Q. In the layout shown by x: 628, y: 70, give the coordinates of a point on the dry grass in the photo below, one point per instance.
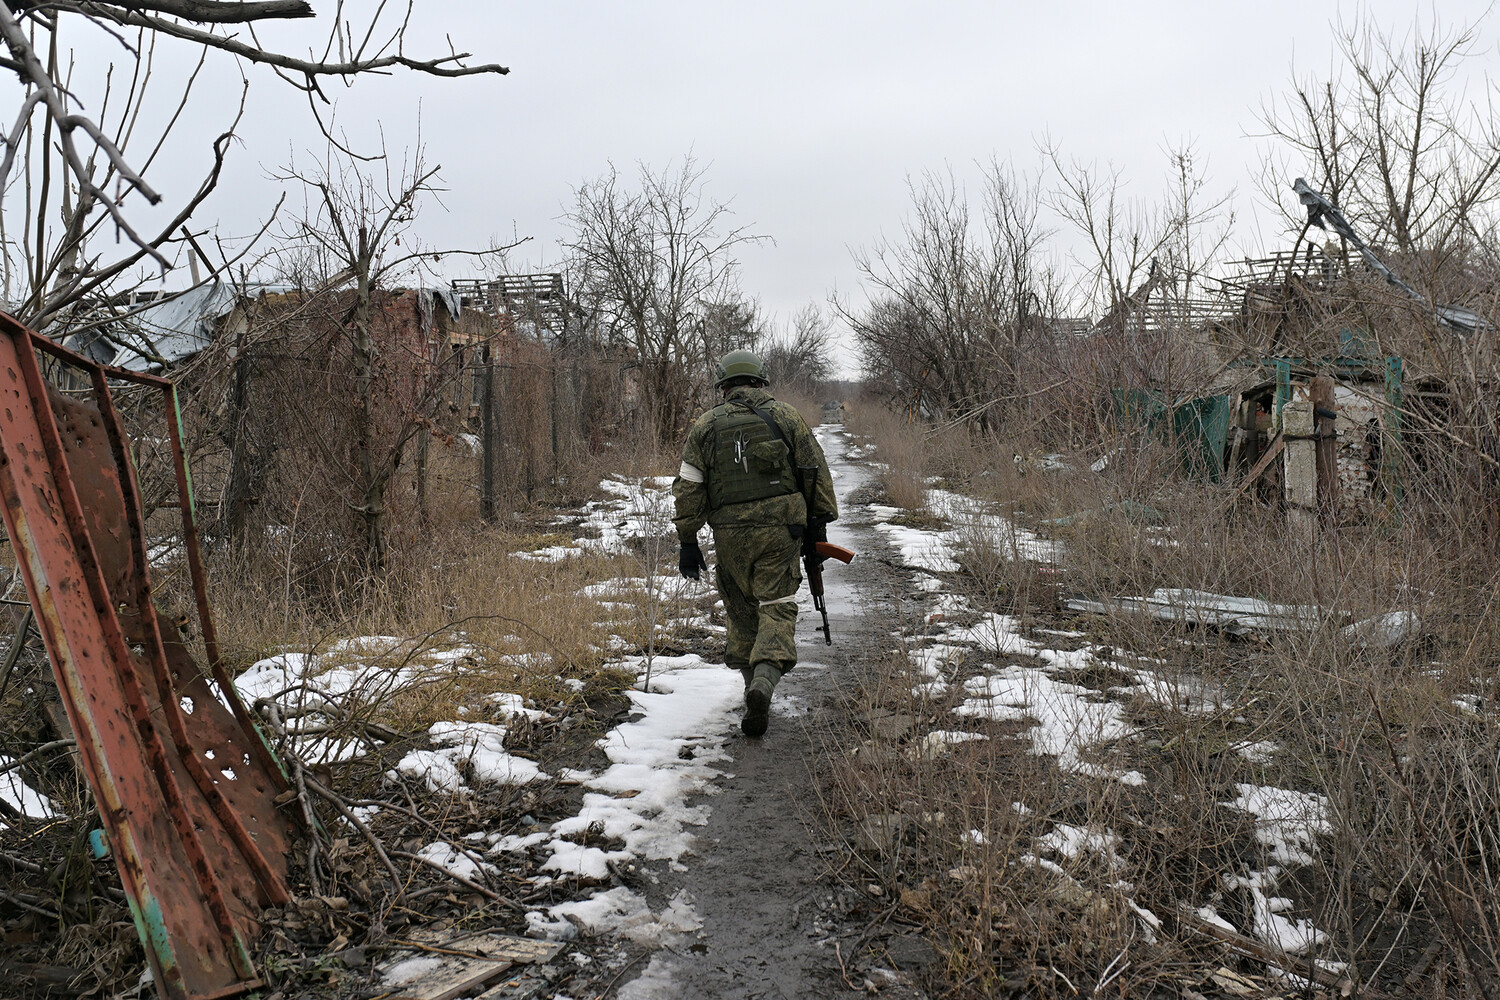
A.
x: 1402, y: 742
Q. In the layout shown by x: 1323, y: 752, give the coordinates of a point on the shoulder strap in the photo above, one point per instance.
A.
x: 770, y: 422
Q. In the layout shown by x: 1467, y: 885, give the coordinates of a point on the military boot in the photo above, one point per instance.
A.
x: 758, y: 700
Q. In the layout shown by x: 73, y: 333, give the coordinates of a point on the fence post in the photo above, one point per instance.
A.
x: 1300, y: 468
x: 487, y: 437
x: 1325, y: 429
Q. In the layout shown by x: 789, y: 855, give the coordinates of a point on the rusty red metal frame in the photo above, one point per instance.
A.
x: 197, y: 872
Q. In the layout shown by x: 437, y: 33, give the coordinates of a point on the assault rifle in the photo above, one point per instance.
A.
x: 814, y: 570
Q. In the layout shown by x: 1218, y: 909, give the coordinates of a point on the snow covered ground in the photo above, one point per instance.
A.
x: 1004, y: 675
x: 941, y: 550
x: 638, y: 509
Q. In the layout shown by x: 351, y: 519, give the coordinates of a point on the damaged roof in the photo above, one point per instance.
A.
x: 155, y: 335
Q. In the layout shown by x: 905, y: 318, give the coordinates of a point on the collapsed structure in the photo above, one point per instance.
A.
x: 1310, y: 403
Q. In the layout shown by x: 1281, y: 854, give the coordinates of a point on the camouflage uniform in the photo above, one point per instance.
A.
x: 758, y: 541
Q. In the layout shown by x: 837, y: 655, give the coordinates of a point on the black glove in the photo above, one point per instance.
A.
x: 815, y: 532
x: 690, y: 560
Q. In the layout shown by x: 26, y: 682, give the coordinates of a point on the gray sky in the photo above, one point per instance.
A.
x: 809, y: 116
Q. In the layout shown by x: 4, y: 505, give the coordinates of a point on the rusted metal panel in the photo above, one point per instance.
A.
x: 188, y: 807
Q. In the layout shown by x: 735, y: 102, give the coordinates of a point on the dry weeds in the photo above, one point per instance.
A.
x: 1402, y: 742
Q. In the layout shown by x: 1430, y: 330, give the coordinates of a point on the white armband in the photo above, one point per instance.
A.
x: 690, y: 473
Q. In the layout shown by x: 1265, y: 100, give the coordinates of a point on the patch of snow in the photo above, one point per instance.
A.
x: 690, y: 706
x: 1286, y: 821
x: 1210, y: 915
x: 920, y: 548
x: 1185, y: 693
x: 1257, y: 751
x: 1073, y: 842
x: 616, y: 911
x: 367, y: 669
x: 452, y: 859
x: 937, y: 742
x: 1384, y: 631
x: 410, y: 969
x: 549, y: 554
x: 476, y: 746
x: 21, y: 796
x: 1068, y: 720
x: 509, y: 706
x: 1293, y: 936
x: 519, y: 842
x: 655, y: 982
x: 581, y: 861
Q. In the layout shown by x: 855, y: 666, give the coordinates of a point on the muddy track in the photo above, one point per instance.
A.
x: 758, y: 879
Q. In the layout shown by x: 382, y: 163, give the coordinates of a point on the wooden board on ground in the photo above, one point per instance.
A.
x: 462, y: 964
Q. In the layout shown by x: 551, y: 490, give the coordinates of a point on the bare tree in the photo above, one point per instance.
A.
x: 960, y: 302
x: 799, y: 358
x: 650, y: 265
x: 354, y: 368
x: 70, y: 154
x: 1393, y: 137
x: 1409, y: 158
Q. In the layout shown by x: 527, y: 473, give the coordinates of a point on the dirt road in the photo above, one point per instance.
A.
x: 768, y: 920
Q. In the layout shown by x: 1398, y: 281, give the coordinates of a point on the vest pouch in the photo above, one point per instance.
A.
x: 770, y: 457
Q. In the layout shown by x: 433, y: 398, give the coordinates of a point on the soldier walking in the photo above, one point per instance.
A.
x: 752, y: 470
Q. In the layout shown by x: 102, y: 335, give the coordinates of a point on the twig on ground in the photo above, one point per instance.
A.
x: 843, y: 970
x: 14, y: 900
x: 461, y: 880
x: 32, y: 755
x: 337, y: 801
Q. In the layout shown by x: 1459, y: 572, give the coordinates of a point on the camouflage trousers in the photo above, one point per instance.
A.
x: 759, y: 572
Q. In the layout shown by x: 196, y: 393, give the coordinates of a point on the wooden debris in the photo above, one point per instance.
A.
x: 464, y: 964
x: 1260, y: 466
x: 1240, y: 616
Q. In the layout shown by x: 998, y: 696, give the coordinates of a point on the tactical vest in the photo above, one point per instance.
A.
x: 747, y: 460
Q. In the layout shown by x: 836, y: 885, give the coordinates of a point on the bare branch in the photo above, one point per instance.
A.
x: 201, y: 11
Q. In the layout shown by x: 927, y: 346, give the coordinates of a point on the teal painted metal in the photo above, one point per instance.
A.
x: 1354, y: 345
x: 1283, y: 368
x: 1198, y: 429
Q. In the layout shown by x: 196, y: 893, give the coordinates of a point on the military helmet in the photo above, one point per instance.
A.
x: 738, y: 363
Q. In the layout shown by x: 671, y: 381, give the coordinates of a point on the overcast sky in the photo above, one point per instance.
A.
x: 809, y: 116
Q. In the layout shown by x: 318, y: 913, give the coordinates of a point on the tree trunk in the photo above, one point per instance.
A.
x: 234, y: 509
x: 372, y: 508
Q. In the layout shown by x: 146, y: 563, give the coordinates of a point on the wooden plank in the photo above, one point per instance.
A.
x: 464, y: 964
x: 1325, y: 429
x: 1260, y: 466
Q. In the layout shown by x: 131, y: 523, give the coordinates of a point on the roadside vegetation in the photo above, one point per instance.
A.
x: 1149, y: 727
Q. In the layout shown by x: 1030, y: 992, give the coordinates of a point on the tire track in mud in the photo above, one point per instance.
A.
x: 757, y: 876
